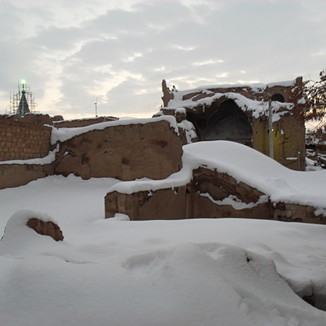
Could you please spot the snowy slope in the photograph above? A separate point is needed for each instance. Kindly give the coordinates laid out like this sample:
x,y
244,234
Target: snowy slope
x,y
116,272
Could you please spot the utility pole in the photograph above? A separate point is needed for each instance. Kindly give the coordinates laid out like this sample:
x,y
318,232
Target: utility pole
x,y
270,128
95,108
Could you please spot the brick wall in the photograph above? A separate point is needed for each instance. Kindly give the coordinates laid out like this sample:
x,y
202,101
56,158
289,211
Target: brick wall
x,y
21,141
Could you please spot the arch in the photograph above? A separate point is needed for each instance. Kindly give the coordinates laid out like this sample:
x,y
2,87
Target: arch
x,y
199,122
229,122
278,97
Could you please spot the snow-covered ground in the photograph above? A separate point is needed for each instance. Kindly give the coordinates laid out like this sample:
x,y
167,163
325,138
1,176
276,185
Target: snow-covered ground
x,y
116,272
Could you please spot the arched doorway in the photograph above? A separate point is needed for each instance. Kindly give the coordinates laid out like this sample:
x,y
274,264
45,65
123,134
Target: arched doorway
x,y
229,122
278,97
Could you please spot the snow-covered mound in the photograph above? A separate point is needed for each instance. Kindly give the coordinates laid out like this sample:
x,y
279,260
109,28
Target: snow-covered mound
x,y
188,272
19,238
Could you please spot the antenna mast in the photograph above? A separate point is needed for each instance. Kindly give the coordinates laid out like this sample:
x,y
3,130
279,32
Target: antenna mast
x,y
95,108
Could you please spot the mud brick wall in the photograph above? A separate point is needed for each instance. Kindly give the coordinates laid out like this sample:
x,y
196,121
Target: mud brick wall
x,y
125,152
14,175
81,122
21,141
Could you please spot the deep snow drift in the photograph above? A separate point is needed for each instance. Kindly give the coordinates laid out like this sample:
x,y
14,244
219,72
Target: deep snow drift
x,y
221,272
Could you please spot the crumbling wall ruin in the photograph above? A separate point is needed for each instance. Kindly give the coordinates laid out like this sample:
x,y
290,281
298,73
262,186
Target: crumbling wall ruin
x,y
215,114
125,152
210,194
14,175
76,123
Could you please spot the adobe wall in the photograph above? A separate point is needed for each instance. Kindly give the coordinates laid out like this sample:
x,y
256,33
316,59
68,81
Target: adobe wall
x,y
288,133
291,93
190,201
163,204
206,196
32,118
81,122
125,152
21,140
14,175
288,140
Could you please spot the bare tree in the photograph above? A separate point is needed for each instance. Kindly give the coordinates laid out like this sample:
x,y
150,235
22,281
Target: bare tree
x,y
315,92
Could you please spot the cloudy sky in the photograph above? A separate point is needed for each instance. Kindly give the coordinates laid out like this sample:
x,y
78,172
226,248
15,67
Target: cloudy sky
x,y
72,52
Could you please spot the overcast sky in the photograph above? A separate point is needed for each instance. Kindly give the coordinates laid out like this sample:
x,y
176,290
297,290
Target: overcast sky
x,y
72,52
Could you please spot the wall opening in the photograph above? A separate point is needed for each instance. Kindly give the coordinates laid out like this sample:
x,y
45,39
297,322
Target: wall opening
x,y
199,122
278,97
229,122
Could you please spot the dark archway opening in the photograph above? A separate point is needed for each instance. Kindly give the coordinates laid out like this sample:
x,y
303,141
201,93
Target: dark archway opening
x,y
229,122
278,97
199,122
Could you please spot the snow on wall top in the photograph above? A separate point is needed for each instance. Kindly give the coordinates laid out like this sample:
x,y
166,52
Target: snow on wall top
x,y
63,134
256,87
258,108
48,159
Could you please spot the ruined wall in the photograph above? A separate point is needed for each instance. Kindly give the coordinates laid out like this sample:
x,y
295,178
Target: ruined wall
x,y
152,149
124,152
210,194
32,118
191,201
288,140
21,140
166,204
288,132
291,92
14,175
82,122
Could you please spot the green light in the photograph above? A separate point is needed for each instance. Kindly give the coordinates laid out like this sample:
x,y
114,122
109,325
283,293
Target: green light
x,y
23,81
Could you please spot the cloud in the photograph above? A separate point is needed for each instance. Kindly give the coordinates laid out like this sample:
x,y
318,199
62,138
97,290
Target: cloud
x,y
72,52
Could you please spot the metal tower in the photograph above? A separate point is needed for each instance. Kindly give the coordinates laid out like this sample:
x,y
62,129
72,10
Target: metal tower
x,y
23,101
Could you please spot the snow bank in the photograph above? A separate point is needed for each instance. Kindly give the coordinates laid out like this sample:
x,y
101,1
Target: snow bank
x,y
19,239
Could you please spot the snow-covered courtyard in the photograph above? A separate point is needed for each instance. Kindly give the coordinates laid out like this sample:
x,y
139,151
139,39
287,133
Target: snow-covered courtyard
x,y
186,272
